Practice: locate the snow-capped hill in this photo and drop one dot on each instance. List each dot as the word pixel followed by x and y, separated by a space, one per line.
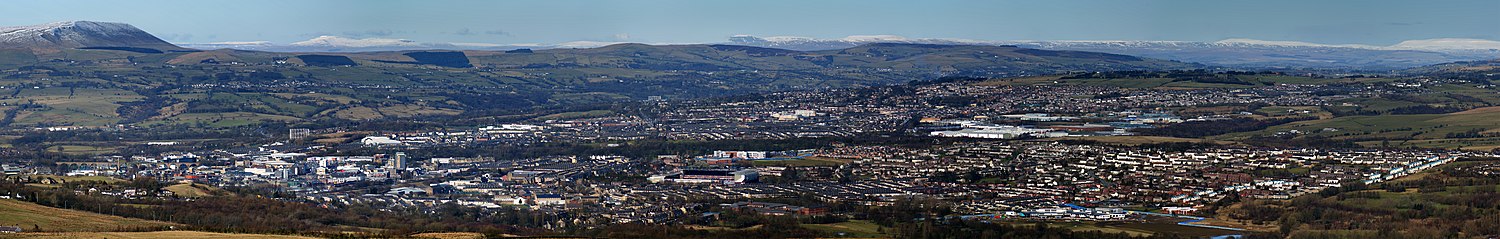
pixel 77 34
pixel 582 44
pixel 814 44
pixel 875 38
pixel 334 41
pixel 237 45
pixel 1448 44
pixel 1238 52
pixel 1242 42
pixel 1436 44
pixel 1108 43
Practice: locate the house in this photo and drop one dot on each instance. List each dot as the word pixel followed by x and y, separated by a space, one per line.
pixel 378 141
pixel 408 191
pixel 550 199
pixel 510 200
pixel 12 169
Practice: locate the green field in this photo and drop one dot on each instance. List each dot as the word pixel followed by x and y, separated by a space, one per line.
pixel 1425 130
pixel 576 115
pixel 1451 201
pixel 193 190
pixel 854 228
pixel 1134 228
pixel 82 149
pixel 66 106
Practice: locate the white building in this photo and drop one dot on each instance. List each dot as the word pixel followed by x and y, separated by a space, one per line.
pixel 378 141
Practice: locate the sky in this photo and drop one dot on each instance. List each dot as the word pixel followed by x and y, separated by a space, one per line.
pixel 1373 22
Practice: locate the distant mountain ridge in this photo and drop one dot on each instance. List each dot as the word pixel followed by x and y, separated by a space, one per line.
pixel 1231 52
pixel 1238 53
pixel 80 34
pixel 241 87
pixel 344 44
pixel 1241 53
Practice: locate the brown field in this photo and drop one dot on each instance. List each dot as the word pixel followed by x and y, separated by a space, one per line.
pixel 30 215
pixel 193 190
pixel 145 235
pixel 1491 109
pixel 338 138
pixel 1172 228
pixel 450 235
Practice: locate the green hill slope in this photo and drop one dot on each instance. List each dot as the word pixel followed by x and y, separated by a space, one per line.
pixel 227 88
pixel 30 216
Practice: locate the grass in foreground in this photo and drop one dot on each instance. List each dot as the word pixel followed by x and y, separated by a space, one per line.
pixel 449 235
pixel 853 228
pixel 29 216
pixel 144 235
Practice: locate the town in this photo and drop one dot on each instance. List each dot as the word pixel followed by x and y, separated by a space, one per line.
pixel 1014 153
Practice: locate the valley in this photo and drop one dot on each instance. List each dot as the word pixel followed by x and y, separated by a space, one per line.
pixel 606 119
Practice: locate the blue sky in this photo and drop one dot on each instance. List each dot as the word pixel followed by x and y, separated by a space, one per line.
pixel 1375 22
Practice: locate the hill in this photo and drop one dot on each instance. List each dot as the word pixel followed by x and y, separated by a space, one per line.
pixel 152 235
pixel 228 88
pixel 194 190
pixel 82 34
pixel 1479 71
pixel 30 215
pixel 1457 200
pixel 1476 129
pixel 1239 53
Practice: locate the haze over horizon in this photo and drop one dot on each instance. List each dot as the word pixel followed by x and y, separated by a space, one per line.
pixel 1376 23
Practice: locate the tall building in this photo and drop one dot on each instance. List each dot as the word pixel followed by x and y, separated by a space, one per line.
pixel 398 161
pixel 297 134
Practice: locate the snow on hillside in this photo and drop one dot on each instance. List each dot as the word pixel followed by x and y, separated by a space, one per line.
pixel 334 41
pixel 1448 44
pixel 72 34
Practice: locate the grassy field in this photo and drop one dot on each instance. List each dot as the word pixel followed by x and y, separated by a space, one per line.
pixel 1447 202
pixel 82 149
pixel 1134 228
pixel 1423 130
pixel 575 115
pixel 450 235
pixel 1173 228
pixel 149 235
pixel 29 215
pixel 193 190
pixel 1377 200
pixel 1108 229
pixel 1294 111
pixel 68 105
pixel 854 228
